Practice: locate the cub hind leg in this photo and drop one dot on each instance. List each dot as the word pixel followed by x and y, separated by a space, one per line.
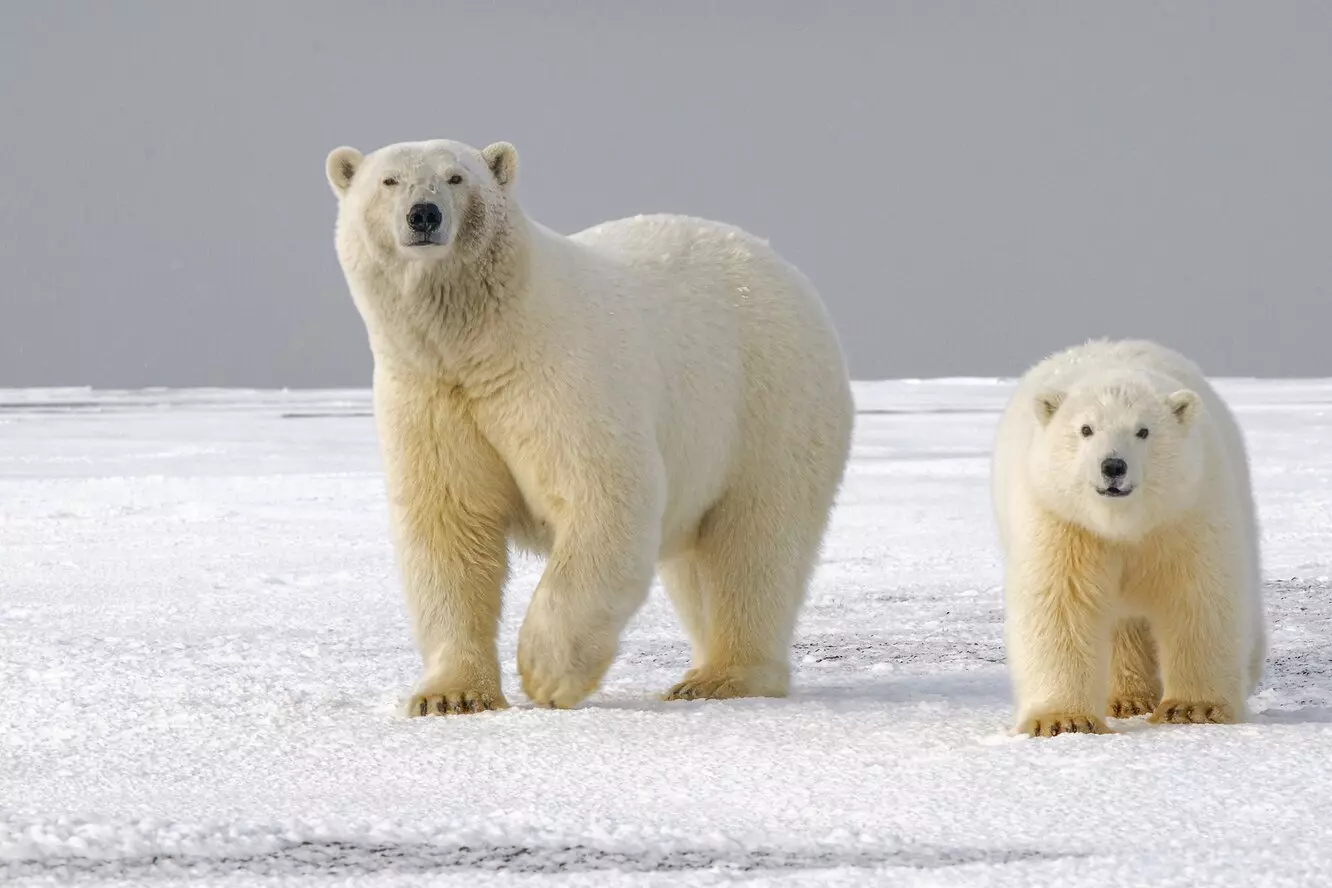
pixel 1135 675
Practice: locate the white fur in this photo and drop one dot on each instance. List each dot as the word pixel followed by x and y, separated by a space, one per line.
pixel 657 391
pixel 1148 602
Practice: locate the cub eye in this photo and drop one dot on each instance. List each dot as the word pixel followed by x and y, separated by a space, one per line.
pixel 390 181
pixel 455 179
pixel 1086 431
pixel 1142 433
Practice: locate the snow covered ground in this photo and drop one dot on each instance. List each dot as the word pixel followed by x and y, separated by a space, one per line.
pixel 202 645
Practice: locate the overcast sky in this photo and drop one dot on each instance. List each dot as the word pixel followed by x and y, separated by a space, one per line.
pixel 969 185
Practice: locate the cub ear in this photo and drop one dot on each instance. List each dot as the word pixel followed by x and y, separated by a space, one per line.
pixel 341 166
pixel 1185 405
pixel 1046 405
pixel 502 158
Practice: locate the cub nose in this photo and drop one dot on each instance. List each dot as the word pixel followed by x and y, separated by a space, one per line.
pixel 1113 467
pixel 425 218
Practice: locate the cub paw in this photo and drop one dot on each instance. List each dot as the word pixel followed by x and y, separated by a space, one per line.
pixel 1128 707
pixel 1184 712
pixel 454 703
pixel 1052 724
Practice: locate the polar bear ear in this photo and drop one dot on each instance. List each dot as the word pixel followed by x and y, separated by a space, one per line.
pixel 1046 405
pixel 502 158
pixel 1185 405
pixel 341 166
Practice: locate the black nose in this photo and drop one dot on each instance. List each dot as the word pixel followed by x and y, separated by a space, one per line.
pixel 425 218
pixel 1114 467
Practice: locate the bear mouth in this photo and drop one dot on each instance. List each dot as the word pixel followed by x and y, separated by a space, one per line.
pixel 1114 491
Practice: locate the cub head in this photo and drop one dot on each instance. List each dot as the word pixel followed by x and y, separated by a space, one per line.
pixel 1118 458
pixel 422 201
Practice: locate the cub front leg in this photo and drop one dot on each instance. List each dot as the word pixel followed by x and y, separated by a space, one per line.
pixel 449 501
pixel 1058 632
pixel 1200 638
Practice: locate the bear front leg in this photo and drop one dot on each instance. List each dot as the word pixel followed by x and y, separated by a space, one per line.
pixel 1057 633
pixel 598 575
pixel 453 570
pixel 450 499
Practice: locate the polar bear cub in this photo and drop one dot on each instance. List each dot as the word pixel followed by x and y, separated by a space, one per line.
pixel 1122 496
pixel 656 392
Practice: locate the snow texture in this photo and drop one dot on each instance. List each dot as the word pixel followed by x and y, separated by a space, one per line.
pixel 202 645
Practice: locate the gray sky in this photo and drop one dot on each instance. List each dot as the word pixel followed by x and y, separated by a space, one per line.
pixel 970 185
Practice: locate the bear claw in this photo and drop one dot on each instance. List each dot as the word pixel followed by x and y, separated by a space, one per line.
pixel 705 689
pixel 454 703
pixel 1055 723
pixel 722 685
pixel 1180 712
pixel 1128 707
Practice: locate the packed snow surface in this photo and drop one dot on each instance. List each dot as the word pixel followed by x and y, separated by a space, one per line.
pixel 203 645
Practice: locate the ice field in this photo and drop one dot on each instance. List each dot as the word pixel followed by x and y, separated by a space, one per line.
pixel 203 644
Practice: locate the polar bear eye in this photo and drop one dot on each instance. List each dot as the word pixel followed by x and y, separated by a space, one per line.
pixel 455 179
pixel 390 181
pixel 1086 431
pixel 1142 433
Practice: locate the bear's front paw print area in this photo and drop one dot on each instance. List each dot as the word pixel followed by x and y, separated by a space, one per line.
pixel 1130 706
pixel 454 703
pixel 1052 724
pixel 1185 712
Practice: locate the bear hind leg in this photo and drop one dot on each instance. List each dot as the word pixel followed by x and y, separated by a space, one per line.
pixel 684 584
pixel 738 591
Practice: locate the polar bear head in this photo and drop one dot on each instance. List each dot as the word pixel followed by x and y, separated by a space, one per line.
pixel 421 202
pixel 1116 456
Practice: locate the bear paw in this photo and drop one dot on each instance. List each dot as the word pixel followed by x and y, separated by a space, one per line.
pixel 560 674
pixel 1129 706
pixel 726 684
pixel 557 689
pixel 454 703
pixel 1052 724
pixel 1184 712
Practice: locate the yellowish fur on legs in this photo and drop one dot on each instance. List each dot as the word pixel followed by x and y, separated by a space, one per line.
pixel 1135 687
pixel 447 507
pixel 1201 660
pixel 1059 647
pixel 739 588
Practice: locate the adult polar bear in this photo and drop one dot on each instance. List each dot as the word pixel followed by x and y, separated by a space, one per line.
pixel 1122 495
pixel 657 391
